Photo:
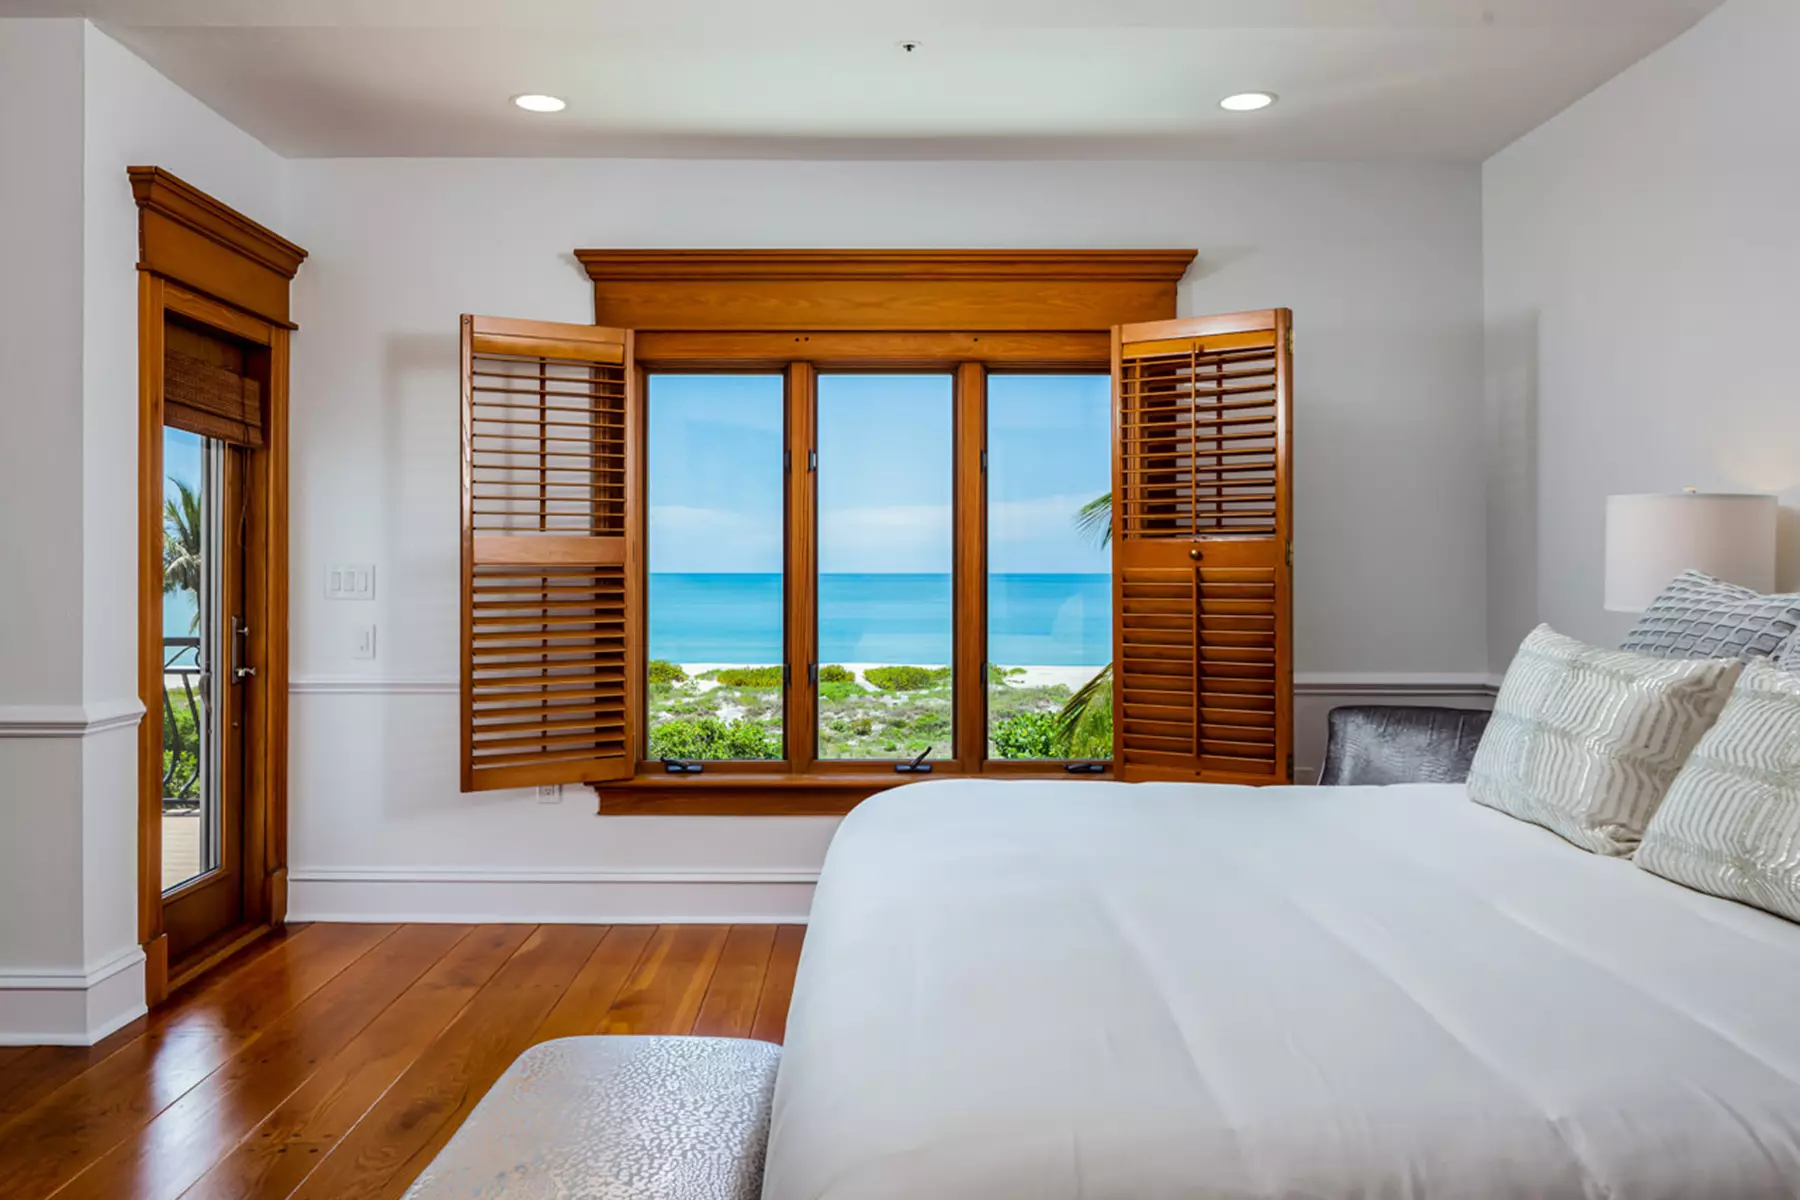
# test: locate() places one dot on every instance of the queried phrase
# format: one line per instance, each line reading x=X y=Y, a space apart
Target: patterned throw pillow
x=1698 y=616
x=1731 y=823
x=1585 y=741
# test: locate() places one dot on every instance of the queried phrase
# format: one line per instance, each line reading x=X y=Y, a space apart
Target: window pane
x=885 y=447
x=715 y=527
x=1049 y=566
x=192 y=807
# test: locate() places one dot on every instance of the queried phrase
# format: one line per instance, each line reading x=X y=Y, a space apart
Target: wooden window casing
x=801 y=313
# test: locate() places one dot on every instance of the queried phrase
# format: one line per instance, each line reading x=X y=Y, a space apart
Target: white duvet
x=1099 y=990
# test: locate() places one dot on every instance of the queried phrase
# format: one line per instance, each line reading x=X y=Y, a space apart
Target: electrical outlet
x=549 y=793
x=364 y=646
x=350 y=581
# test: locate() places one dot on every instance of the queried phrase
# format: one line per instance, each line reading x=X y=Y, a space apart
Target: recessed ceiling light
x=1247 y=101
x=534 y=102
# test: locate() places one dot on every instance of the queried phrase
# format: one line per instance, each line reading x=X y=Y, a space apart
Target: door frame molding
x=209 y=264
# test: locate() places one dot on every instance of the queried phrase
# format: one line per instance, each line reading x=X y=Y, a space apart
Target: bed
x=1099 y=990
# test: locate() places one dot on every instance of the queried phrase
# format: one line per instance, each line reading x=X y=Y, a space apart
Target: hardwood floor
x=335 y=1060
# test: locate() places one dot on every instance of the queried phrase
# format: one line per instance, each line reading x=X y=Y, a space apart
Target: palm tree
x=181 y=544
x=1094 y=519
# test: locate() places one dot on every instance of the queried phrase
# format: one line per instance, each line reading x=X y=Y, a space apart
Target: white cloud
x=685 y=539
x=904 y=538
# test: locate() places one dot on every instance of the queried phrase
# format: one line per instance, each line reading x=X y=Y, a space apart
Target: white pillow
x=1586 y=741
x=1731 y=822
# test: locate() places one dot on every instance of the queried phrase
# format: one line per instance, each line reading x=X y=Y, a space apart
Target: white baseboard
x=560 y=896
x=71 y=1008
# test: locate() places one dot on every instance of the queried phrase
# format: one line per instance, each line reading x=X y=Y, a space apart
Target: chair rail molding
x=70 y=720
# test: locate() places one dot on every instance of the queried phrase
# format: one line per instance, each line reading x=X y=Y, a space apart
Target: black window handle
x=916 y=766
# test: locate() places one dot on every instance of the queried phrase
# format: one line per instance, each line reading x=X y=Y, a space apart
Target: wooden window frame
x=215 y=267
x=803 y=313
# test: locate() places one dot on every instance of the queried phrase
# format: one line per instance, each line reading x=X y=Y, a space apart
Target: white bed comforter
x=1102 y=990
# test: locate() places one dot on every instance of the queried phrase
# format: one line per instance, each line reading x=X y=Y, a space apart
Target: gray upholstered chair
x=1382 y=744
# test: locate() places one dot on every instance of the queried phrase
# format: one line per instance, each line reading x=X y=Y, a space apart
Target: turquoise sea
x=1033 y=620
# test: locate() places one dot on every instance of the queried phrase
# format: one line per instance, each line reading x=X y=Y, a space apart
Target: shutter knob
x=1195 y=554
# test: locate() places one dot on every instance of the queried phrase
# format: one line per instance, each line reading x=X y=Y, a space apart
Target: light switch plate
x=350 y=581
x=364 y=646
x=549 y=793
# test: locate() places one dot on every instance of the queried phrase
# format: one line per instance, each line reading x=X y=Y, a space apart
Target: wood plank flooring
x=335 y=1060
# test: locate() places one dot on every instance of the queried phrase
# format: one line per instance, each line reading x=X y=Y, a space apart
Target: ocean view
x=1034 y=620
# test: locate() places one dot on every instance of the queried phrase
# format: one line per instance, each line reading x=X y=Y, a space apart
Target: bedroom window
x=714 y=484
x=785 y=528
x=1049 y=513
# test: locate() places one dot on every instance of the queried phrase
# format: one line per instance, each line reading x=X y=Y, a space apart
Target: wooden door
x=213 y=419
x=1202 y=535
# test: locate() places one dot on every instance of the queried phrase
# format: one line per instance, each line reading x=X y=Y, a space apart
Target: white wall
x=1380 y=264
x=1642 y=251
x=75 y=110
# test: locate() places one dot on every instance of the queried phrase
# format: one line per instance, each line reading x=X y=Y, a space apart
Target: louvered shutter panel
x=1202 y=656
x=551 y=571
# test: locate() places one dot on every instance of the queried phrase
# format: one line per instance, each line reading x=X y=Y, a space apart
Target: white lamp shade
x=1651 y=539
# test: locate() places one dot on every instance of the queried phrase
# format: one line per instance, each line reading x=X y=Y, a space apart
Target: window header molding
x=883 y=290
x=186 y=235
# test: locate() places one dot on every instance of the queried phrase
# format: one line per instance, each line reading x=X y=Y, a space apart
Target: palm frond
x=1094 y=519
x=1081 y=708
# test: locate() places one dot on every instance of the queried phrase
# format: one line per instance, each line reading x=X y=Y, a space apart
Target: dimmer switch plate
x=350 y=581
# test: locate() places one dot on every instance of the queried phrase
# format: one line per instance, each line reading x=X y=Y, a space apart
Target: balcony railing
x=184 y=687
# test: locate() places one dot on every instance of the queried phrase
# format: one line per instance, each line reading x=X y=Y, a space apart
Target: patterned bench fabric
x=1698 y=616
x=1585 y=741
x=625 y=1118
x=1731 y=823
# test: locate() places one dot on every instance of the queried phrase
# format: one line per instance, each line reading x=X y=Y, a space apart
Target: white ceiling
x=1359 y=79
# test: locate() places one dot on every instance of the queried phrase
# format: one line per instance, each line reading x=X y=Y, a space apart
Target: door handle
x=240 y=644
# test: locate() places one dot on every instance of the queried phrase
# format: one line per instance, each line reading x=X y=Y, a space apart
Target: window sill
x=745 y=795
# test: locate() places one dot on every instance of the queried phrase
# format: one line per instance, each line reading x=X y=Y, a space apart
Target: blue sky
x=181 y=460
x=715 y=476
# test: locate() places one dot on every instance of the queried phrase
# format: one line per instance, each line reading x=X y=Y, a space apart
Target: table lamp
x=1650 y=539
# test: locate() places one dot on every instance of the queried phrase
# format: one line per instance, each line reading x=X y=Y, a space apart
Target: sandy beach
x=1069 y=677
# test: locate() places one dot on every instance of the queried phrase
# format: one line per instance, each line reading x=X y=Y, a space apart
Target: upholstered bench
x=624 y=1118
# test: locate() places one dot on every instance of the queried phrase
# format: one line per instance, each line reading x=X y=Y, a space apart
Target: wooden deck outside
x=335 y=1060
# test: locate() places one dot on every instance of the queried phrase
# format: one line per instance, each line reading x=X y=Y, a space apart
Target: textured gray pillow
x=1789 y=659
x=1698 y=616
x=1731 y=822
x=1585 y=741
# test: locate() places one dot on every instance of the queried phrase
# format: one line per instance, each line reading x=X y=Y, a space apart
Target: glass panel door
x=192 y=637
x=885 y=559
x=204 y=682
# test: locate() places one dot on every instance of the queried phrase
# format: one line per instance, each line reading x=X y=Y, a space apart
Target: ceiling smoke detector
x=908 y=46
x=1247 y=101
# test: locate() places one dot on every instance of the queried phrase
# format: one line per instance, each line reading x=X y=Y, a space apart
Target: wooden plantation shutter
x=551 y=578
x=1202 y=524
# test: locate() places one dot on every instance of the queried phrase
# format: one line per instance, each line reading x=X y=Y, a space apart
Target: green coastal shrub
x=1026 y=735
x=710 y=738
x=663 y=671
x=833 y=673
x=751 y=677
x=905 y=679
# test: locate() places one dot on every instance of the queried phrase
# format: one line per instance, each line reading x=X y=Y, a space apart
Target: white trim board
x=69 y=720
x=47 y=1007
x=552 y=895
